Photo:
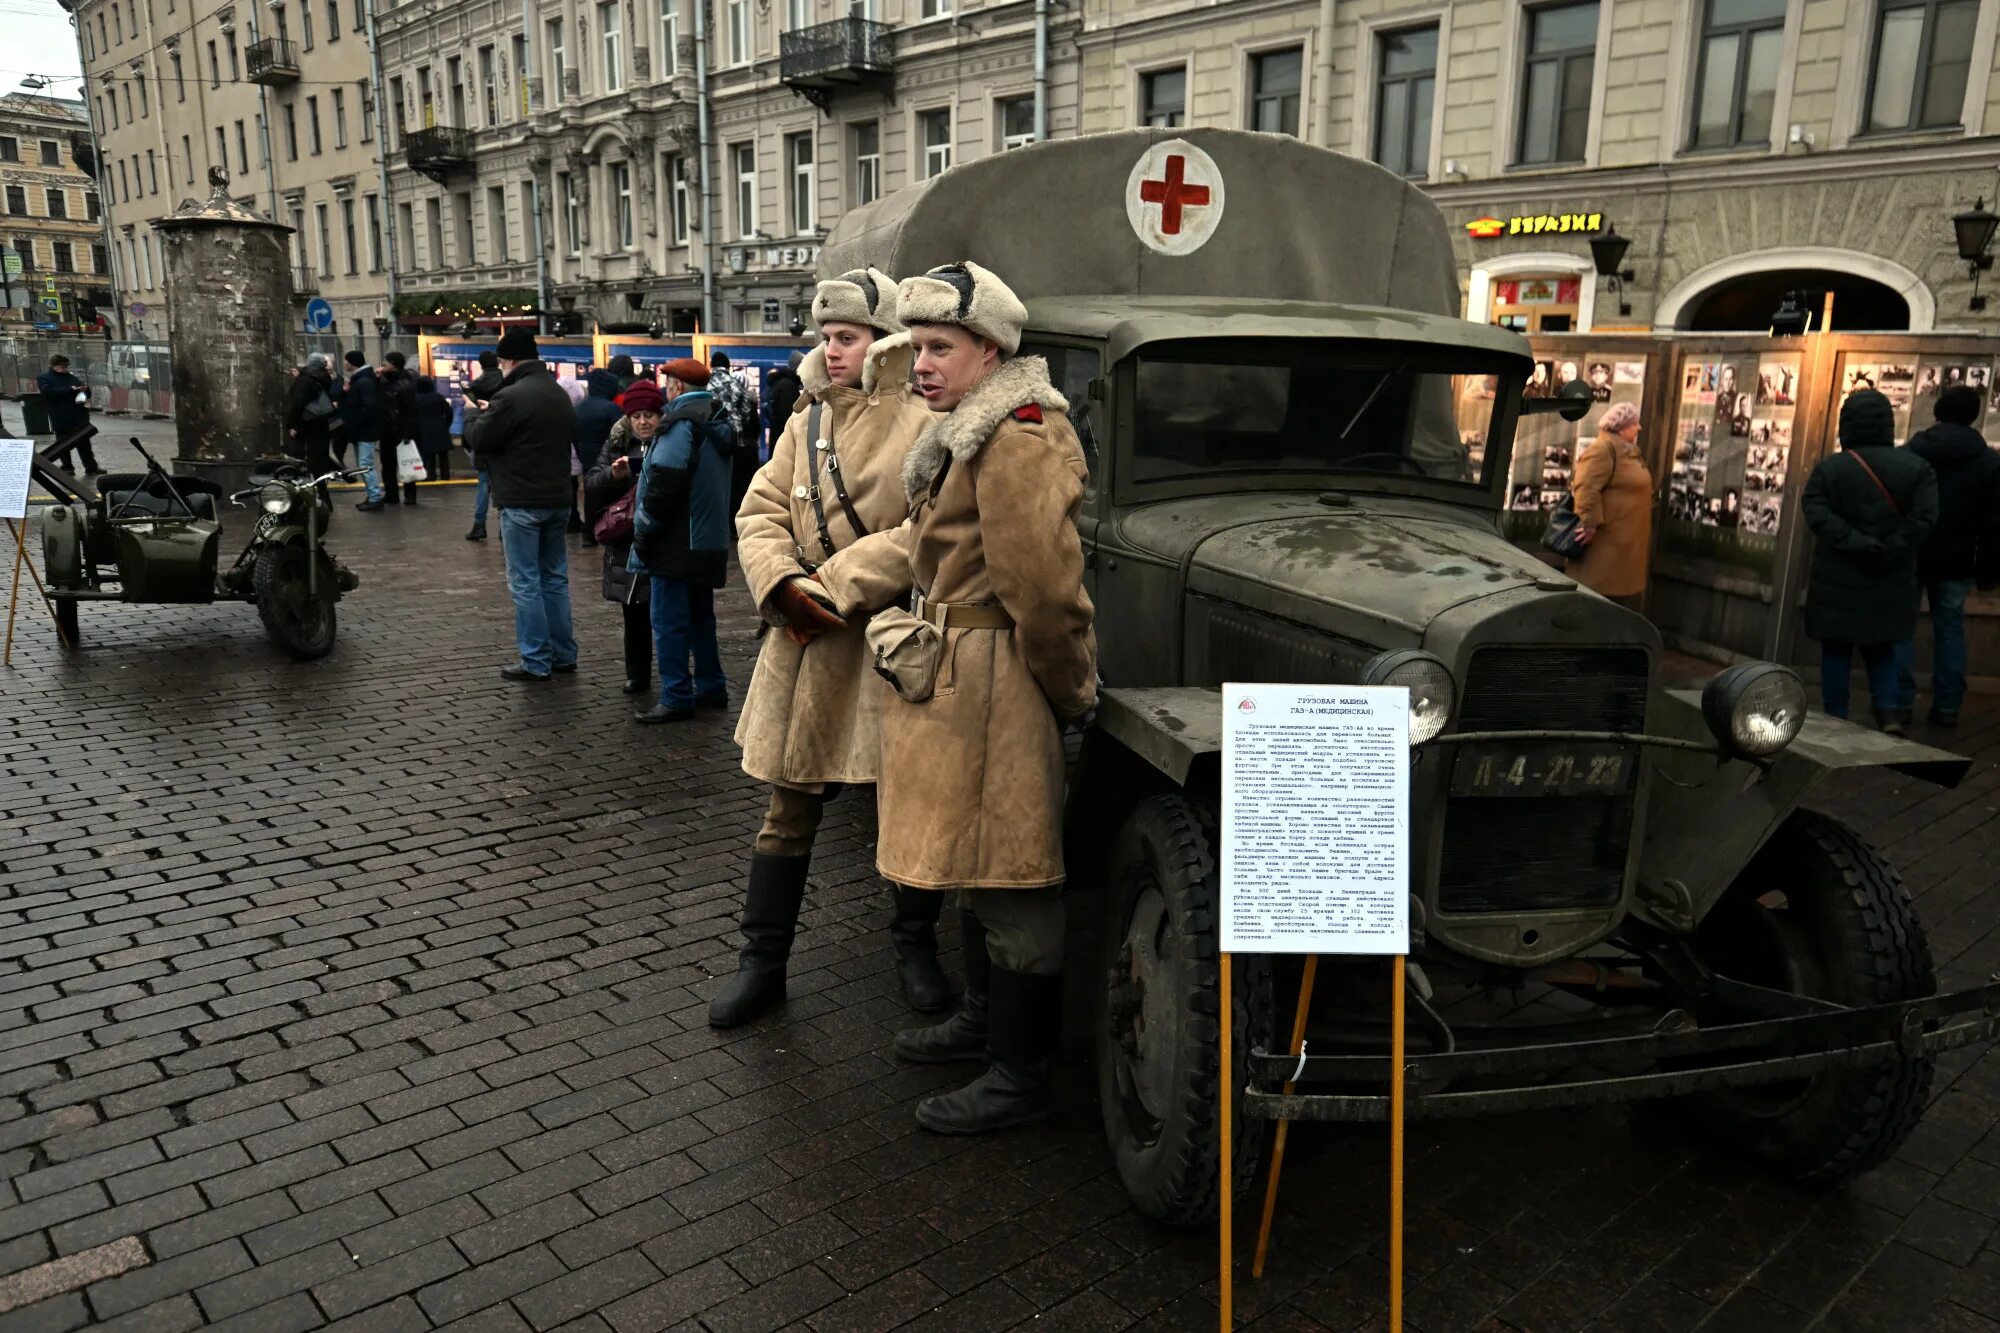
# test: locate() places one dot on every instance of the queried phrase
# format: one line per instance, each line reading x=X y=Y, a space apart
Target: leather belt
x=965 y=615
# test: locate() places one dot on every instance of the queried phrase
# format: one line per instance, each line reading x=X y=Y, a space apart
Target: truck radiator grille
x=1545 y=853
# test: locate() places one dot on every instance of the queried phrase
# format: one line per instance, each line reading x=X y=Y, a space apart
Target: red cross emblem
x=1173 y=194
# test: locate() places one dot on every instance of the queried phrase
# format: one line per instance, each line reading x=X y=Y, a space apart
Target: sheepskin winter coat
x=813 y=714
x=1614 y=498
x=971 y=791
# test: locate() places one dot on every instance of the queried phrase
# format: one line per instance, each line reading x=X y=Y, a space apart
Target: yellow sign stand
x=20 y=532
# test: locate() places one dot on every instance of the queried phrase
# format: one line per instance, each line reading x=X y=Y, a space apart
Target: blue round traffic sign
x=319 y=314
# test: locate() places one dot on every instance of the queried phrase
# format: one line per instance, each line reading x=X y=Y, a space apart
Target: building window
x=1923 y=52
x=125 y=186
x=187 y=153
x=333 y=19
x=867 y=163
x=572 y=222
x=340 y=118
x=1555 y=87
x=613 y=28
x=1163 y=98
x=17 y=200
x=934 y=9
x=325 y=241
x=461 y=211
x=153 y=173
x=367 y=113
x=406 y=232
x=1275 y=81
x=284 y=31
x=677 y=194
x=426 y=104
x=743 y=157
x=221 y=149
x=128 y=104
x=670 y=37
x=496 y=224
x=96 y=213
x=242 y=150
x=489 y=86
x=100 y=262
x=58 y=203
x=1016 y=122
x=530 y=215
x=396 y=109
x=372 y=207
x=10 y=148
x=236 y=58
x=65 y=257
x=1405 y=88
x=558 y=61
x=291 y=134
x=25 y=248
x=214 y=68
x=934 y=129
x=305 y=23
x=739 y=32
x=621 y=193
x=521 y=69
x=1737 y=81
x=454 y=80
x=347 y=233
x=312 y=124
x=263 y=142
x=180 y=77
x=145 y=108
x=798 y=14
x=799 y=156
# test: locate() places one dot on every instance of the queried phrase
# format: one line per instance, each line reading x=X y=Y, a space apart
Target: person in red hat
x=609 y=481
x=680 y=540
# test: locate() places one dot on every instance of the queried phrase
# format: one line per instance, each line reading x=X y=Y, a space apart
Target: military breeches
x=791 y=821
x=1024 y=927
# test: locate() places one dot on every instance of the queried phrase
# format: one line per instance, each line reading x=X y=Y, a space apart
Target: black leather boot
x=1026 y=1019
x=963 y=1035
x=913 y=929
x=409 y=492
x=770 y=920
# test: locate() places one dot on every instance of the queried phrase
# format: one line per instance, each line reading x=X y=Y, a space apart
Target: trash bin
x=35 y=415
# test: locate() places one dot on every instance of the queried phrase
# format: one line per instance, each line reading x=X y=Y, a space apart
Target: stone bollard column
x=229 y=281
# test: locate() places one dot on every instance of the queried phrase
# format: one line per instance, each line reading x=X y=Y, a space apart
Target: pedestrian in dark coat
x=361 y=414
x=68 y=402
x=399 y=422
x=611 y=480
x=309 y=415
x=1870 y=507
x=1963 y=550
x=433 y=425
x=781 y=391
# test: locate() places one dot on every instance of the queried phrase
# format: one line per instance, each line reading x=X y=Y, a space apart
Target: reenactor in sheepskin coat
x=812 y=721
x=971 y=790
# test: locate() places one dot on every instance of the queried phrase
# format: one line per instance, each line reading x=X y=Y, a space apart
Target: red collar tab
x=1029 y=413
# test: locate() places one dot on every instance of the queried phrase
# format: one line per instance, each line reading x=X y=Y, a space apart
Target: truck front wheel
x=1819 y=912
x=1158 y=1029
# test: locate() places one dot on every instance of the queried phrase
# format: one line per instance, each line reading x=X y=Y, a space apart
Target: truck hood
x=1364 y=568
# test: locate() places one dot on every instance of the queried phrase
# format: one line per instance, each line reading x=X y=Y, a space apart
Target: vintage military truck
x=1299 y=458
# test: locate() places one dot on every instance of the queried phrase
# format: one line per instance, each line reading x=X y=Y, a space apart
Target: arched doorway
x=1745 y=304
x=1740 y=293
x=1533 y=293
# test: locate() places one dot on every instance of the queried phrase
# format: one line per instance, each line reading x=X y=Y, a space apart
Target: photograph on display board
x=1691 y=383
x=1598 y=376
x=1541 y=381
x=1628 y=372
x=1777 y=383
x=1732 y=448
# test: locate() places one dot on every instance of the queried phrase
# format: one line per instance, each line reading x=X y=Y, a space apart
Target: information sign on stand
x=1315 y=860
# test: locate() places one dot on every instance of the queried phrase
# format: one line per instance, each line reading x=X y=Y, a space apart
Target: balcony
x=826 y=58
x=273 y=62
x=438 y=150
x=305 y=283
x=82 y=152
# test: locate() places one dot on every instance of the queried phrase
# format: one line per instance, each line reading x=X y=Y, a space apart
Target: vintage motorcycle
x=154 y=537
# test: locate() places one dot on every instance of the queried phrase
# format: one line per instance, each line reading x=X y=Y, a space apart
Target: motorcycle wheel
x=66 y=621
x=298 y=620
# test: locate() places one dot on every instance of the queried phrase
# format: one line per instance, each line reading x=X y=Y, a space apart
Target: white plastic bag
x=410 y=463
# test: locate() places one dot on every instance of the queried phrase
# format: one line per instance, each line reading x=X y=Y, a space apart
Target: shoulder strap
x=811 y=491
x=1894 y=508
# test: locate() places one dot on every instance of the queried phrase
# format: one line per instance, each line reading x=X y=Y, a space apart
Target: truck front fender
x=1706 y=817
x=1176 y=730
x=62 y=547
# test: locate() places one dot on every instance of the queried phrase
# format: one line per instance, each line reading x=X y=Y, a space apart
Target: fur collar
x=887 y=363
x=813 y=379
x=964 y=431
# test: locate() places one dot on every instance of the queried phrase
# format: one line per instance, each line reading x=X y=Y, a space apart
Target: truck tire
x=1158 y=1034
x=301 y=622
x=1841 y=928
x=66 y=621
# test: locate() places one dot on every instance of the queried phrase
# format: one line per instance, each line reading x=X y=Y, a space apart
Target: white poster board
x=15 y=457
x=1315 y=819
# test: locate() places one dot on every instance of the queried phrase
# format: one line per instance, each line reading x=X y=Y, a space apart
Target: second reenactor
x=811 y=723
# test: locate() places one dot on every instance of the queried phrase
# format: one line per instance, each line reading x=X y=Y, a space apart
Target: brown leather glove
x=806 y=616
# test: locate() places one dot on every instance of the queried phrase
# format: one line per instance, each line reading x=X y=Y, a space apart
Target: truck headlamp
x=1433 y=693
x=1755 y=709
x=275 y=499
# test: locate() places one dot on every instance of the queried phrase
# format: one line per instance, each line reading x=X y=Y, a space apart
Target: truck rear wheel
x=1158 y=1030
x=1841 y=928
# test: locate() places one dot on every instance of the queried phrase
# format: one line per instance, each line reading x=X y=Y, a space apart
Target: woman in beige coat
x=811 y=723
x=971 y=791
x=1614 y=509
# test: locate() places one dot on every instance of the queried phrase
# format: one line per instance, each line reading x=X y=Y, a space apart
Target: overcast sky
x=39 y=40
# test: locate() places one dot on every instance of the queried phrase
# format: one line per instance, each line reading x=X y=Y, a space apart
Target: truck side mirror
x=1571 y=402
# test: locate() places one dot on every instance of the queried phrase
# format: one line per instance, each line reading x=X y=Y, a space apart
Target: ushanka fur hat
x=859 y=296
x=967 y=295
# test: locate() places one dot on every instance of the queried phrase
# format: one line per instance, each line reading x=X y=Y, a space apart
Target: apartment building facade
x=279 y=97
x=54 y=272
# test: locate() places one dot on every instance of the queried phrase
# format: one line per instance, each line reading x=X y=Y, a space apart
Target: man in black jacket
x=399 y=422
x=68 y=402
x=361 y=411
x=1963 y=549
x=523 y=439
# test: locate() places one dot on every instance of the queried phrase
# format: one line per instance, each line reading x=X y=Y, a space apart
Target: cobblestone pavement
x=369 y=993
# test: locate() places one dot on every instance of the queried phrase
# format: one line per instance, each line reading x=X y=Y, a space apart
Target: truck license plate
x=1542 y=770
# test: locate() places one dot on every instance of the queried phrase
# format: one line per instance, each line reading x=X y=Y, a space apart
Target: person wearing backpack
x=1869 y=507
x=608 y=500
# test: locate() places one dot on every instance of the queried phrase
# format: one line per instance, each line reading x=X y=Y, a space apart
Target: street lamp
x=1974 y=230
x=1607 y=252
x=1791 y=317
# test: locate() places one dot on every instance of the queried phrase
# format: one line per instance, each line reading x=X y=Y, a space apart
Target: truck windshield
x=1205 y=409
